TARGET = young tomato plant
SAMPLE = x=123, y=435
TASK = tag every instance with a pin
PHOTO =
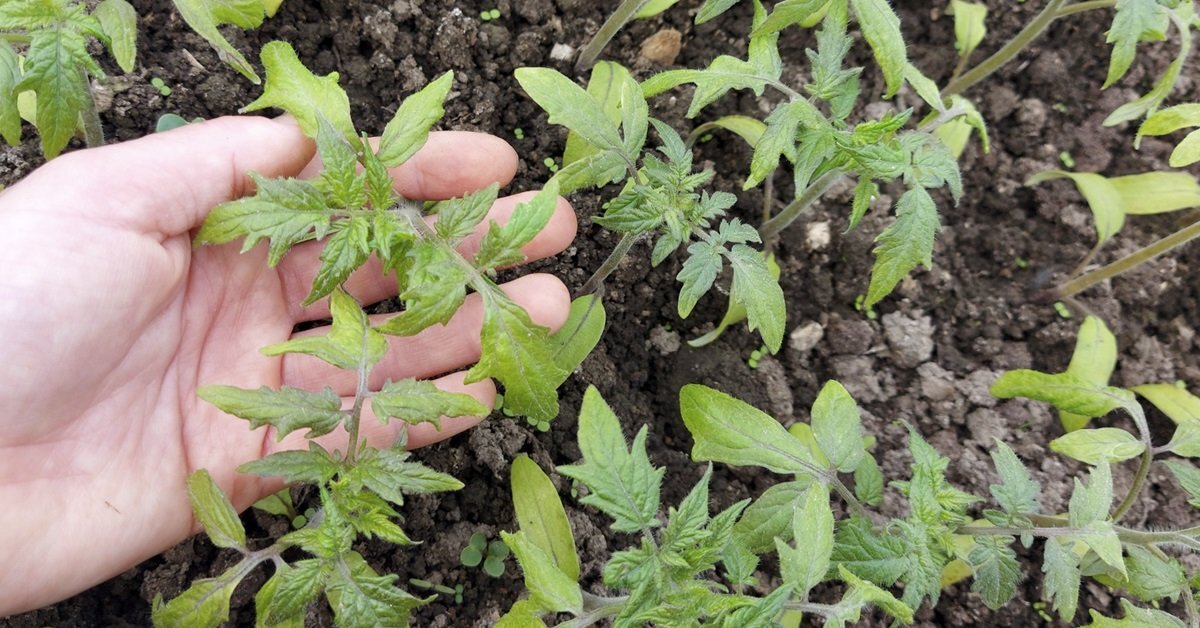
x=205, y=16
x=667, y=575
x=353, y=209
x=49, y=81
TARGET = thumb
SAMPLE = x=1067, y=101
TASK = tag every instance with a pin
x=166, y=183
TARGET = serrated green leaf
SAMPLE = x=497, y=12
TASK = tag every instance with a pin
x=339, y=179
x=1092, y=501
x=1188, y=477
x=733, y=432
x=865, y=192
x=803, y=566
x=407, y=131
x=205, y=604
x=904, y=245
x=871, y=594
x=205, y=16
x=541, y=516
x=10, y=76
x=1135, y=20
x=791, y=12
x=1017, y=491
x=1102, y=198
x=365, y=600
x=697, y=275
x=1062, y=580
x=420, y=401
x=314, y=466
x=118, y=20
x=293, y=587
x=713, y=8
x=881, y=28
x=550, y=589
x=1136, y=618
x=214, y=511
x=345, y=251
x=391, y=475
x=969, y=25
x=1157, y=192
x=734, y=313
x=1068, y=393
x=778, y=138
x=882, y=559
x=501, y=246
x=1109, y=444
x=605, y=86
x=285, y=211
x=350, y=344
x=996, y=570
x=428, y=264
x=770, y=516
x=757, y=289
x=458, y=217
x=1151, y=577
x=838, y=427
x=1102, y=539
x=569, y=105
x=868, y=481
x=264, y=598
x=57, y=65
x=517, y=353
x=294, y=88
x=622, y=482
x=287, y=409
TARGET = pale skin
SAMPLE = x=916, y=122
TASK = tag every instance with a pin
x=111, y=321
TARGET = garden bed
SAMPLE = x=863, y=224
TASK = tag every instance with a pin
x=926, y=355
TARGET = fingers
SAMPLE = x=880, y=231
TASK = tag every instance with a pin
x=370, y=284
x=382, y=435
x=438, y=349
x=166, y=183
x=451, y=163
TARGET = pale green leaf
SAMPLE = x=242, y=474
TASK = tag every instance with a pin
x=293, y=88
x=757, y=289
x=312, y=467
x=621, y=481
x=420, y=401
x=1136, y=618
x=1171, y=119
x=271, y=7
x=264, y=598
x=428, y=264
x=697, y=275
x=1152, y=99
x=881, y=28
x=1017, y=491
x=878, y=557
x=735, y=312
x=523, y=614
x=214, y=511
x=733, y=432
x=1102, y=198
x=287, y=409
x=1177, y=403
x=770, y=516
x=748, y=128
x=1101, y=538
x=1186, y=440
x=1135, y=20
x=278, y=503
x=790, y=12
x=969, y=25
x=350, y=344
x=1068, y=393
x=344, y=253
x=501, y=246
x=869, y=593
x=407, y=131
x=713, y=8
x=925, y=88
x=458, y=217
x=653, y=8
x=996, y=570
x=804, y=566
x=205, y=16
x=118, y=20
x=1091, y=502
x=574, y=341
x=205, y=604
x=868, y=481
x=838, y=427
x=1188, y=477
x=1062, y=577
x=1093, y=362
x=904, y=245
x=605, y=87
x=285, y=211
x=549, y=588
x=517, y=353
x=1187, y=152
x=541, y=517
x=1157, y=192
x=10, y=75
x=569, y=105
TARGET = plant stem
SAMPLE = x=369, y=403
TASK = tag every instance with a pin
x=610, y=264
x=595, y=609
x=93, y=131
x=1032, y=31
x=815, y=190
x=1086, y=6
x=1145, y=254
x=618, y=19
x=16, y=38
x=824, y=610
x=1189, y=603
x=360, y=396
x=1143, y=470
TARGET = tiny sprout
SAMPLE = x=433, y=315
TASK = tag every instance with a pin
x=519, y=133
x=497, y=553
x=1062, y=309
x=1021, y=262
x=1066, y=159
x=1060, y=107
x=550, y=164
x=472, y=554
x=492, y=14
x=161, y=86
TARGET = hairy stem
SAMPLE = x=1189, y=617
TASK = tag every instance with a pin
x=783, y=219
x=608, y=30
x=1091, y=5
x=595, y=609
x=1142, y=255
x=1019, y=42
x=1189, y=603
x=610, y=264
x=360, y=396
x=93, y=131
x=824, y=610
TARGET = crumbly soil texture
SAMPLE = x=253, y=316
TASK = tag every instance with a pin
x=925, y=356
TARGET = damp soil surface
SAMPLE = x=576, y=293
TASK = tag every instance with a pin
x=925, y=356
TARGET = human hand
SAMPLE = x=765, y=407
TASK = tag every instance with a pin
x=111, y=321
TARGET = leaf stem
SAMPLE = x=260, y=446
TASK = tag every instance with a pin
x=1019, y=42
x=1144, y=254
x=93, y=131
x=596, y=608
x=783, y=219
x=824, y=610
x=1189, y=603
x=1143, y=470
x=360, y=396
x=619, y=18
x=610, y=264
x=1086, y=6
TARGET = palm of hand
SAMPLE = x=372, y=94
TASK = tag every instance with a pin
x=114, y=321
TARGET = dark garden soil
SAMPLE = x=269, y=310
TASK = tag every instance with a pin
x=927, y=356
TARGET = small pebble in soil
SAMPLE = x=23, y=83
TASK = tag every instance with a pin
x=817, y=235
x=806, y=337
x=909, y=336
x=662, y=47
x=562, y=52
x=666, y=342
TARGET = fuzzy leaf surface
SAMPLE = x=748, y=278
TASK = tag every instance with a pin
x=904, y=245
x=407, y=131
x=549, y=587
x=293, y=88
x=541, y=516
x=1068, y=393
x=350, y=344
x=287, y=409
x=733, y=432
x=205, y=604
x=838, y=427
x=881, y=28
x=757, y=289
x=420, y=401
x=214, y=512
x=997, y=572
x=501, y=246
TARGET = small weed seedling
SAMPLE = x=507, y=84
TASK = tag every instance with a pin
x=666, y=575
x=492, y=555
x=352, y=208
